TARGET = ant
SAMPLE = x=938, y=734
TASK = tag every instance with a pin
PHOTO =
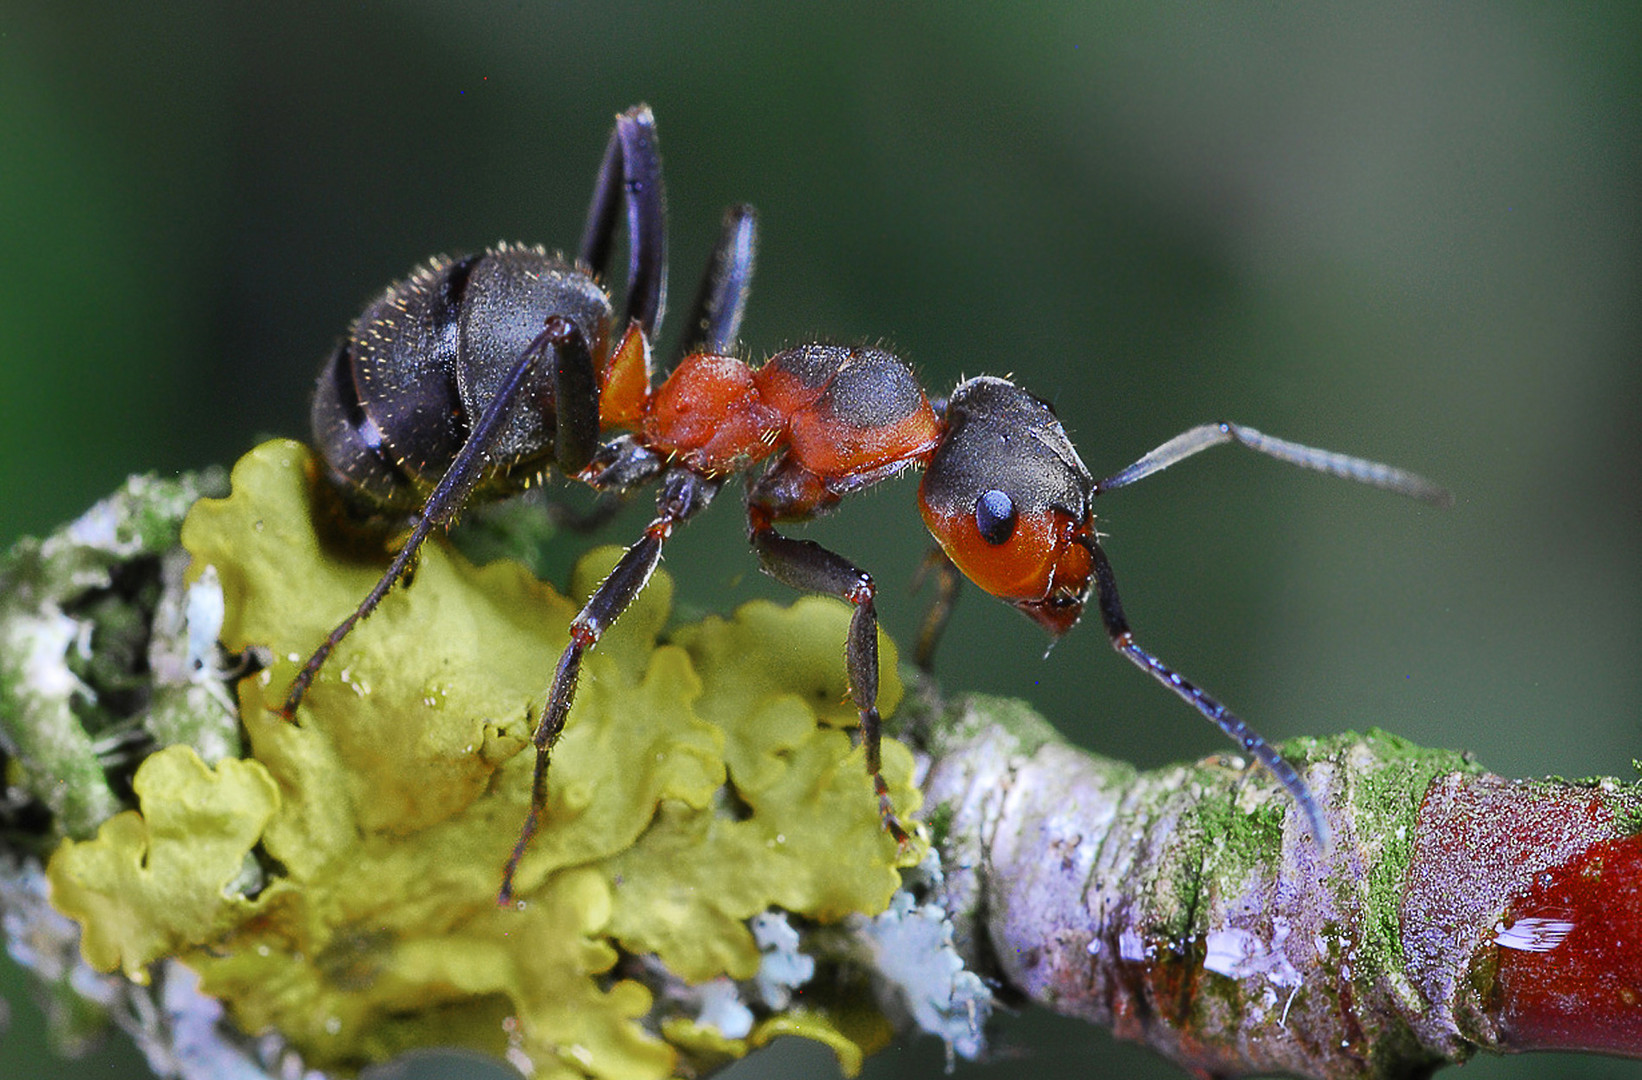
x=474, y=377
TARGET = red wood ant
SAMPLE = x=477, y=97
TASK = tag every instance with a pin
x=473, y=377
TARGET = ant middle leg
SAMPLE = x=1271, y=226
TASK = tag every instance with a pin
x=683, y=494
x=619, y=466
x=714, y=321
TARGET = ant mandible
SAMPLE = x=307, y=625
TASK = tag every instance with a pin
x=473, y=377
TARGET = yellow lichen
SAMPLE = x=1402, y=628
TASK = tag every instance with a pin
x=851, y=1033
x=384, y=814
x=153, y=882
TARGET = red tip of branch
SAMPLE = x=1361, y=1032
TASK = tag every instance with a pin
x=1570, y=955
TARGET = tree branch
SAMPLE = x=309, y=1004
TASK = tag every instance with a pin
x=1455, y=911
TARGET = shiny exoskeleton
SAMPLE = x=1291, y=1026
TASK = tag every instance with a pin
x=475, y=377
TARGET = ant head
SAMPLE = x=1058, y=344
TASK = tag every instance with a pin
x=1008, y=500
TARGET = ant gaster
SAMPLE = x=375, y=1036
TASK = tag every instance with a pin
x=475, y=376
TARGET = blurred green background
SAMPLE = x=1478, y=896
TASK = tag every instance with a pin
x=1408, y=232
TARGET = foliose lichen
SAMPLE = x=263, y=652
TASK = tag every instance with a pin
x=337, y=884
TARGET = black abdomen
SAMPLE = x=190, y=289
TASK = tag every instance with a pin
x=396, y=400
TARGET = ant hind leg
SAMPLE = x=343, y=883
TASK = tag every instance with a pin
x=631, y=171
x=561, y=338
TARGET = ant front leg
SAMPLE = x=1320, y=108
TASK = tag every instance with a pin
x=1123, y=640
x=683, y=494
x=949, y=582
x=948, y=585
x=809, y=567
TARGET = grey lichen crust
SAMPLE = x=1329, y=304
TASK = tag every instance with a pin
x=79, y=636
x=106, y=653
x=920, y=977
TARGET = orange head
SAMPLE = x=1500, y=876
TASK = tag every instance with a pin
x=1008, y=500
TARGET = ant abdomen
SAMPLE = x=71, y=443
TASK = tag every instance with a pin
x=398, y=398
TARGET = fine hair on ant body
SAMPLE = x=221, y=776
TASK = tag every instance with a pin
x=474, y=377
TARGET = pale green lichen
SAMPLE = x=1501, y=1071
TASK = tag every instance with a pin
x=75, y=610
x=338, y=886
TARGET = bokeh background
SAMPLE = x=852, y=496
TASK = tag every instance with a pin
x=1408, y=232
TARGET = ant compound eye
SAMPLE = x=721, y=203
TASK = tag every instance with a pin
x=995, y=516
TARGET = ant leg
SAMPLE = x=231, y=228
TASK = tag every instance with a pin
x=1201, y=438
x=631, y=169
x=575, y=396
x=559, y=335
x=715, y=317
x=591, y=520
x=618, y=467
x=809, y=567
x=948, y=584
x=1117, y=629
x=683, y=494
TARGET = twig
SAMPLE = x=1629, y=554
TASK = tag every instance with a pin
x=1185, y=907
